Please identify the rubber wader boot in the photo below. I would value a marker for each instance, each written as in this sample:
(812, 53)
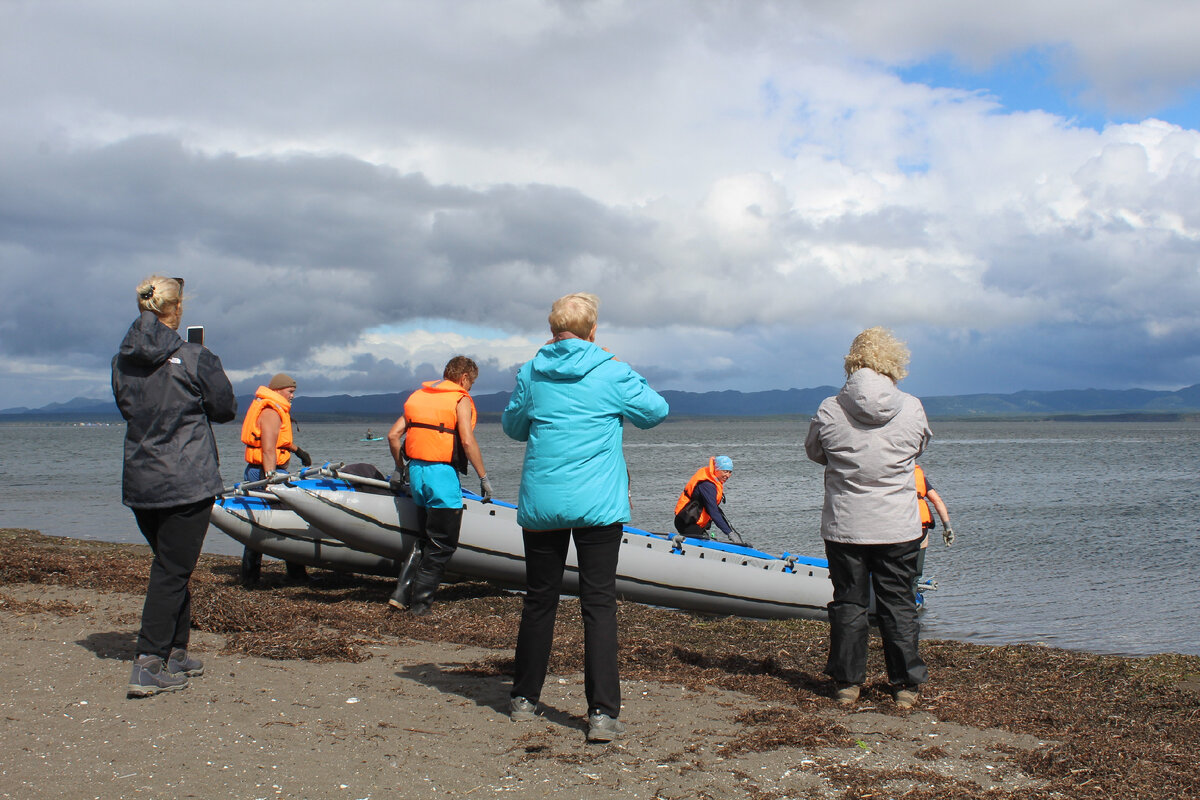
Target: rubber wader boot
(402, 597)
(251, 566)
(424, 586)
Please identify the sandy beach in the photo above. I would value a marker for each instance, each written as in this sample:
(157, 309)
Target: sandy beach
(318, 690)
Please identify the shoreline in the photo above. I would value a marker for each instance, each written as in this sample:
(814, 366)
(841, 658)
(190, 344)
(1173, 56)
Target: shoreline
(716, 707)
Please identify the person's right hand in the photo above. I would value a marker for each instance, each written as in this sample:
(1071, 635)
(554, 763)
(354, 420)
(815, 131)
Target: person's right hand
(396, 484)
(948, 535)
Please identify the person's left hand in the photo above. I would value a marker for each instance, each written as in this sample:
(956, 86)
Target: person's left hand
(948, 535)
(485, 489)
(304, 457)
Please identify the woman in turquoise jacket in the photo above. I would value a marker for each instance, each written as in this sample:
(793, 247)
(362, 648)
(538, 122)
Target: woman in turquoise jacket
(568, 407)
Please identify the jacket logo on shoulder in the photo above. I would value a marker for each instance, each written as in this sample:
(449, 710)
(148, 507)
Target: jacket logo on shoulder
(174, 360)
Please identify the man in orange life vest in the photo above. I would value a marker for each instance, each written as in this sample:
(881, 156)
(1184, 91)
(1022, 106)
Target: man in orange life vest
(699, 506)
(437, 434)
(267, 429)
(267, 434)
(928, 495)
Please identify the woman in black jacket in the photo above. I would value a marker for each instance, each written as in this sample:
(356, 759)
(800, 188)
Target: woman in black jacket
(169, 391)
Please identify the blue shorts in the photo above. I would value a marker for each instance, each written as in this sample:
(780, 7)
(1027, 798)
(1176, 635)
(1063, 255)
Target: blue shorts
(434, 485)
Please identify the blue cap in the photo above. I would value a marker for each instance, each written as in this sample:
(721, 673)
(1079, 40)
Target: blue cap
(723, 462)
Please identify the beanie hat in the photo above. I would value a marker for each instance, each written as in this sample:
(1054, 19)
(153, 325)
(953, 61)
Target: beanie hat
(281, 381)
(723, 462)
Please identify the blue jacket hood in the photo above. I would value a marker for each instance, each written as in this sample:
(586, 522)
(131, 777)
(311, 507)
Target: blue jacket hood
(569, 359)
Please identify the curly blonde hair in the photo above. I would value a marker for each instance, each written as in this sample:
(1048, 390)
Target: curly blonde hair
(878, 349)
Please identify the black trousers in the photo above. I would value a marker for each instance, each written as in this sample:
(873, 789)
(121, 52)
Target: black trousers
(597, 549)
(175, 535)
(889, 569)
(691, 530)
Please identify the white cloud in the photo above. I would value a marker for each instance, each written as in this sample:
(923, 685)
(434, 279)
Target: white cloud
(735, 180)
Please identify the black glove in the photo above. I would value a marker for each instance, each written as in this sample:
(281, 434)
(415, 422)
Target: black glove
(485, 489)
(948, 535)
(397, 484)
(304, 457)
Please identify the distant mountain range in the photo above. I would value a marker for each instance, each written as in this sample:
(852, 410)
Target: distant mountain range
(1082, 403)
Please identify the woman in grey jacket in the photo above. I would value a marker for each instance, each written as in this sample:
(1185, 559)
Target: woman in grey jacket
(169, 391)
(868, 437)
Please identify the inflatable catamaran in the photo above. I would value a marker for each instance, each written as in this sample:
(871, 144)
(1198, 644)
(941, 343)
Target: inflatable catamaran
(354, 524)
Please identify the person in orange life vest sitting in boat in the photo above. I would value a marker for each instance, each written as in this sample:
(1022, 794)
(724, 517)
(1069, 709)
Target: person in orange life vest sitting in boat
(437, 435)
(927, 495)
(699, 505)
(267, 434)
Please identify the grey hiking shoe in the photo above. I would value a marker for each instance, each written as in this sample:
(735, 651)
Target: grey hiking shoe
(180, 663)
(150, 677)
(603, 728)
(521, 709)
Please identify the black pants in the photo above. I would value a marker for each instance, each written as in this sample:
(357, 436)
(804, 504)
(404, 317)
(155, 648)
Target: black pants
(175, 535)
(889, 569)
(691, 530)
(597, 549)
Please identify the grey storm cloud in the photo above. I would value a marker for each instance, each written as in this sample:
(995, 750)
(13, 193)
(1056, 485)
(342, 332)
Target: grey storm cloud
(283, 253)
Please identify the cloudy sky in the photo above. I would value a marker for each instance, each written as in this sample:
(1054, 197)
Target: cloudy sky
(356, 191)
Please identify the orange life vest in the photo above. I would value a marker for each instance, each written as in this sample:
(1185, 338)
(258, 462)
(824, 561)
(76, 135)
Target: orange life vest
(706, 473)
(431, 423)
(252, 431)
(923, 504)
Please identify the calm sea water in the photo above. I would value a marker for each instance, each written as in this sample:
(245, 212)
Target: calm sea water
(1078, 535)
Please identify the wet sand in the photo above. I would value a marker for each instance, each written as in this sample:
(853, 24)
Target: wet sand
(319, 690)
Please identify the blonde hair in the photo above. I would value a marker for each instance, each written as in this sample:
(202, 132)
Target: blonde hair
(878, 349)
(159, 294)
(574, 313)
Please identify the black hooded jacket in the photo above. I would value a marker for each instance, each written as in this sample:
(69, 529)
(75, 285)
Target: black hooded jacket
(169, 391)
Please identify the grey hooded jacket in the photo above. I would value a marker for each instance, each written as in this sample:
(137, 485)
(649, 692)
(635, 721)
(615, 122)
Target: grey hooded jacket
(868, 437)
(169, 392)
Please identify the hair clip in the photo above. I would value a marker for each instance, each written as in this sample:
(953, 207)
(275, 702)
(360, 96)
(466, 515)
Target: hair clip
(147, 293)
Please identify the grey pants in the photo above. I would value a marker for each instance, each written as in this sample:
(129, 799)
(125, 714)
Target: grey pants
(889, 570)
